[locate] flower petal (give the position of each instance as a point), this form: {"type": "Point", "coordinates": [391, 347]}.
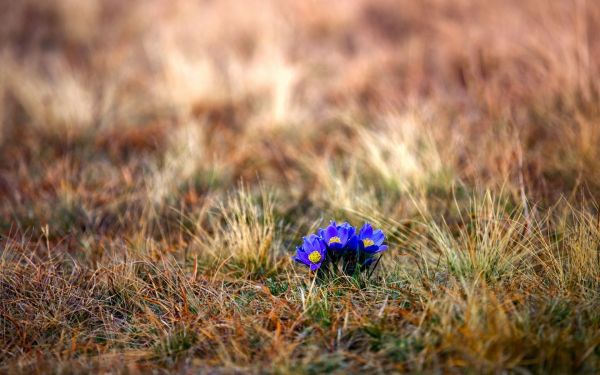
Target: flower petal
{"type": "Point", "coordinates": [343, 235]}
{"type": "Point", "coordinates": [315, 266]}
{"type": "Point", "coordinates": [302, 257]}
{"type": "Point", "coordinates": [352, 243]}
{"type": "Point", "coordinates": [373, 249]}
{"type": "Point", "coordinates": [322, 246]}
{"type": "Point", "coordinates": [336, 246]}
{"type": "Point", "coordinates": [366, 231]}
{"type": "Point", "coordinates": [378, 237]}
{"type": "Point", "coordinates": [331, 232]}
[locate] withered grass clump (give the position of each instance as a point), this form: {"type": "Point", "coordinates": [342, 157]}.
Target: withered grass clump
{"type": "Point", "coordinates": [160, 162]}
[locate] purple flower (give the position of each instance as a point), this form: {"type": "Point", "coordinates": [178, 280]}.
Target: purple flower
{"type": "Point", "coordinates": [356, 250]}
{"type": "Point", "coordinates": [370, 241]}
{"type": "Point", "coordinates": [312, 252]}
{"type": "Point", "coordinates": [339, 238]}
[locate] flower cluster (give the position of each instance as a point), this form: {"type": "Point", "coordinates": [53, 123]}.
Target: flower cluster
{"type": "Point", "coordinates": [357, 250]}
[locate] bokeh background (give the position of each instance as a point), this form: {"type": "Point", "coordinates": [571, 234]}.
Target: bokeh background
{"type": "Point", "coordinates": [501, 89]}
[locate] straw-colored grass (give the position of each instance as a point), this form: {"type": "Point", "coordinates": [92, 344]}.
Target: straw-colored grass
{"type": "Point", "coordinates": [160, 161]}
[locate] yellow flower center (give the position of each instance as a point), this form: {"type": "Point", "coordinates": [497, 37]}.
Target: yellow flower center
{"type": "Point", "coordinates": [368, 242]}
{"type": "Point", "coordinates": [334, 239]}
{"type": "Point", "coordinates": [314, 257]}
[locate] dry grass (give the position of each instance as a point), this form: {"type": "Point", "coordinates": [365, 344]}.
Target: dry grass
{"type": "Point", "coordinates": [160, 161]}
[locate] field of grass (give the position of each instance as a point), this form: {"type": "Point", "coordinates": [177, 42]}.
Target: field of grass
{"type": "Point", "coordinates": [161, 160]}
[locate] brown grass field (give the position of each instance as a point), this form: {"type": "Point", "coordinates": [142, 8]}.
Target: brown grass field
{"type": "Point", "coordinates": [161, 160]}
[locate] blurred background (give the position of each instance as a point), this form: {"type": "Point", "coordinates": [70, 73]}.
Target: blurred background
{"type": "Point", "coordinates": [502, 88]}
{"type": "Point", "coordinates": [108, 105]}
{"type": "Point", "coordinates": [127, 74]}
